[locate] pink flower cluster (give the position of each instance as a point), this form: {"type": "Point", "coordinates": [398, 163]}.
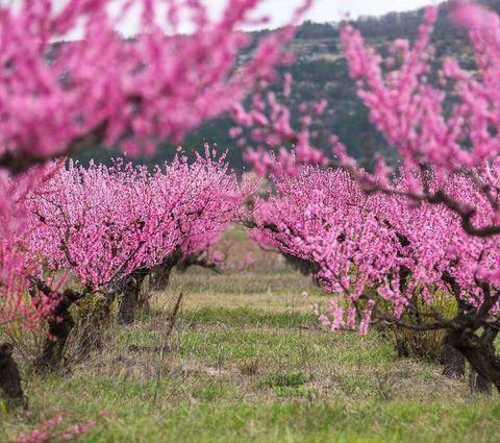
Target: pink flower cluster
{"type": "Point", "coordinates": [267, 126]}
{"type": "Point", "coordinates": [102, 224]}
{"type": "Point", "coordinates": [412, 113]}
{"type": "Point", "coordinates": [15, 260]}
{"type": "Point", "coordinates": [49, 431]}
{"type": "Point", "coordinates": [379, 248]}
{"type": "Point", "coordinates": [133, 92]}
{"type": "Point", "coordinates": [447, 126]}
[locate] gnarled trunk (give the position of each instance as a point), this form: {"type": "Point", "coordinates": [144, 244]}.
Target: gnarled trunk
{"type": "Point", "coordinates": [10, 378]}
{"type": "Point", "coordinates": [480, 353]}
{"type": "Point", "coordinates": [61, 324]}
{"type": "Point", "coordinates": [60, 328]}
{"type": "Point", "coordinates": [160, 277]}
{"type": "Point", "coordinates": [400, 344]}
{"type": "Point", "coordinates": [130, 301]}
{"type": "Point", "coordinates": [92, 328]}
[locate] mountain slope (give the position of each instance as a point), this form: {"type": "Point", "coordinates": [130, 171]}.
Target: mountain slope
{"type": "Point", "coordinates": [320, 72]}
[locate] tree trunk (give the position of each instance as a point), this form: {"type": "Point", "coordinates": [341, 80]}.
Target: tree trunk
{"type": "Point", "coordinates": [478, 384]}
{"type": "Point", "coordinates": [130, 299]}
{"type": "Point", "coordinates": [400, 343]}
{"type": "Point", "coordinates": [92, 329]}
{"type": "Point", "coordinates": [453, 362]}
{"type": "Point", "coordinates": [480, 353]}
{"type": "Point", "coordinates": [145, 295]}
{"type": "Point", "coordinates": [10, 378]}
{"type": "Point", "coordinates": [60, 327]}
{"type": "Point", "coordinates": [60, 324]}
{"type": "Point", "coordinates": [160, 279]}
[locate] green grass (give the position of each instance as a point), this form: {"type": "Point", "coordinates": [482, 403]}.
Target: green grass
{"type": "Point", "coordinates": [240, 317]}
{"type": "Point", "coordinates": [247, 363]}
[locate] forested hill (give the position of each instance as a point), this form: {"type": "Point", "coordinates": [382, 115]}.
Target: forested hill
{"type": "Point", "coordinates": [321, 72]}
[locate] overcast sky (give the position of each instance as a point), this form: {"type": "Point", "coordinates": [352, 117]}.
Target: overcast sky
{"type": "Point", "coordinates": [333, 10]}
{"type": "Point", "coordinates": [323, 11]}
{"type": "Point", "coordinates": [281, 10]}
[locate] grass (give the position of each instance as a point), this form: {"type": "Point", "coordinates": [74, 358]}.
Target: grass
{"type": "Point", "coordinates": [247, 363]}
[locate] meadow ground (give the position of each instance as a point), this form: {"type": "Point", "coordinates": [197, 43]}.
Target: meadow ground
{"type": "Point", "coordinates": [247, 363]}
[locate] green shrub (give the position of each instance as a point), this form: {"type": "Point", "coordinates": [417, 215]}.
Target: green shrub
{"type": "Point", "coordinates": [424, 344]}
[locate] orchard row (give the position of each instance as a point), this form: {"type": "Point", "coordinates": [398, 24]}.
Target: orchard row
{"type": "Point", "coordinates": [387, 241]}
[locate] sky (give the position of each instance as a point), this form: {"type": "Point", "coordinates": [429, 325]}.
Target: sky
{"type": "Point", "coordinates": [334, 10]}
{"type": "Point", "coordinates": [281, 10]}
{"type": "Point", "coordinates": [323, 10]}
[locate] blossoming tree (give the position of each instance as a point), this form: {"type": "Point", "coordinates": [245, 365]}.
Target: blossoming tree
{"type": "Point", "coordinates": [387, 257]}
{"type": "Point", "coordinates": [435, 223]}
{"type": "Point", "coordinates": [59, 96]}
{"type": "Point", "coordinates": [108, 228]}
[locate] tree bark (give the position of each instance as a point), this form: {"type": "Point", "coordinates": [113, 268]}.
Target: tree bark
{"type": "Point", "coordinates": [60, 328]}
{"type": "Point", "coordinates": [160, 279]}
{"type": "Point", "coordinates": [480, 353]}
{"type": "Point", "coordinates": [400, 344]}
{"type": "Point", "coordinates": [145, 295]}
{"type": "Point", "coordinates": [130, 299]}
{"type": "Point", "coordinates": [92, 328]}
{"type": "Point", "coordinates": [477, 382]}
{"type": "Point", "coordinates": [61, 324]}
{"type": "Point", "coordinates": [10, 378]}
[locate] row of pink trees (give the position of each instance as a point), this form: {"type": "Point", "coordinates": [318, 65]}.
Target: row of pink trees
{"type": "Point", "coordinates": [60, 97]}
{"type": "Point", "coordinates": [103, 230]}
{"type": "Point", "coordinates": [386, 257]}
{"type": "Point", "coordinates": [435, 223]}
{"type": "Point", "coordinates": [106, 229]}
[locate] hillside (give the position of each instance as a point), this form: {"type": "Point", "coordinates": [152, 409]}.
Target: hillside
{"type": "Point", "coordinates": [321, 72]}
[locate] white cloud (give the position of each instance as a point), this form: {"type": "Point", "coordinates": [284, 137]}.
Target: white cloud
{"type": "Point", "coordinates": [332, 8]}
